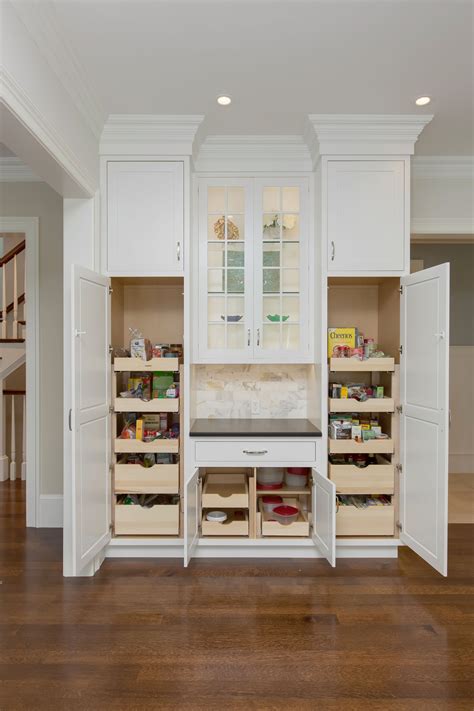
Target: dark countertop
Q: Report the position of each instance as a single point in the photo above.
(254, 428)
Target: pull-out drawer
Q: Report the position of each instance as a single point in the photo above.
(375, 479)
(221, 491)
(155, 521)
(371, 521)
(237, 524)
(270, 527)
(135, 479)
(255, 452)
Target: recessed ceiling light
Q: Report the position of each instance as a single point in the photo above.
(224, 100)
(422, 100)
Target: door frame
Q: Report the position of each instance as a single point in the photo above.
(30, 227)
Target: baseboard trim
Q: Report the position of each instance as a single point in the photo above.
(50, 511)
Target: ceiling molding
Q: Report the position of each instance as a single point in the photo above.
(41, 22)
(363, 134)
(18, 102)
(442, 225)
(150, 134)
(255, 153)
(443, 167)
(13, 170)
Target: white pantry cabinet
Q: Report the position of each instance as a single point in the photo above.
(253, 263)
(367, 216)
(144, 218)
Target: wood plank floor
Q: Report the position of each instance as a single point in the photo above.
(287, 634)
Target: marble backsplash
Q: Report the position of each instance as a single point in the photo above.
(229, 390)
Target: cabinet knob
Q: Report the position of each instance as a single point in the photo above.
(333, 250)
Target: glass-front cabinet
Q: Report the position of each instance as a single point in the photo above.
(253, 270)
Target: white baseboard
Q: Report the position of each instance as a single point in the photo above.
(50, 511)
(461, 463)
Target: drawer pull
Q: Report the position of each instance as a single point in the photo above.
(255, 451)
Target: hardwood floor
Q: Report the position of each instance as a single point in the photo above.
(288, 634)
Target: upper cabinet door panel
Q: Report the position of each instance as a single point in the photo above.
(144, 218)
(367, 221)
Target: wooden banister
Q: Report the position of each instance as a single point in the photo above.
(14, 392)
(12, 253)
(21, 300)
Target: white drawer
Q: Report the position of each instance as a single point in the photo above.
(255, 452)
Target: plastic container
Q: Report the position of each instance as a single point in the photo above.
(285, 514)
(296, 476)
(216, 516)
(269, 487)
(270, 475)
(269, 503)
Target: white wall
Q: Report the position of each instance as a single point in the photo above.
(39, 200)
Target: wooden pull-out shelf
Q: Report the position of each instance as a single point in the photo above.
(350, 446)
(137, 365)
(374, 479)
(136, 446)
(231, 527)
(371, 521)
(352, 365)
(134, 404)
(373, 404)
(133, 520)
(222, 491)
(299, 528)
(135, 479)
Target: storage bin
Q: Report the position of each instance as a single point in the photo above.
(232, 527)
(376, 478)
(162, 520)
(222, 491)
(371, 521)
(135, 479)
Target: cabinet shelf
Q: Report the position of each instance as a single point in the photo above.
(374, 479)
(136, 446)
(135, 479)
(223, 491)
(285, 491)
(352, 365)
(133, 404)
(137, 365)
(380, 404)
(270, 527)
(350, 446)
(371, 521)
(231, 527)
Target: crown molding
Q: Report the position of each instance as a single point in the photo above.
(363, 134)
(149, 134)
(253, 153)
(443, 167)
(18, 102)
(41, 22)
(13, 170)
(442, 225)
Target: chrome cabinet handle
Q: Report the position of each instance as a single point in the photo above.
(256, 451)
(258, 336)
(178, 251)
(248, 336)
(333, 250)
(440, 335)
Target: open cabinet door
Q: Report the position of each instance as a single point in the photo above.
(324, 516)
(424, 424)
(192, 516)
(90, 483)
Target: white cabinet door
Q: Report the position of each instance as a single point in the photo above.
(282, 328)
(192, 515)
(424, 390)
(324, 516)
(145, 207)
(367, 217)
(225, 270)
(87, 494)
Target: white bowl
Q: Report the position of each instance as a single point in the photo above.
(216, 516)
(270, 475)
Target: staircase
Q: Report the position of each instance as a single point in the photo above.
(12, 354)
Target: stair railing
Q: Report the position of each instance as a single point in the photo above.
(17, 432)
(11, 257)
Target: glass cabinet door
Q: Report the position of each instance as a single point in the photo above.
(225, 268)
(281, 263)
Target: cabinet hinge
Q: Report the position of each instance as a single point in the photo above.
(399, 409)
(400, 289)
(111, 291)
(111, 410)
(399, 468)
(399, 526)
(400, 350)
(111, 350)
(111, 527)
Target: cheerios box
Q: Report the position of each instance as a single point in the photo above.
(342, 336)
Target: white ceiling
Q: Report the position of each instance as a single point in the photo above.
(280, 60)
